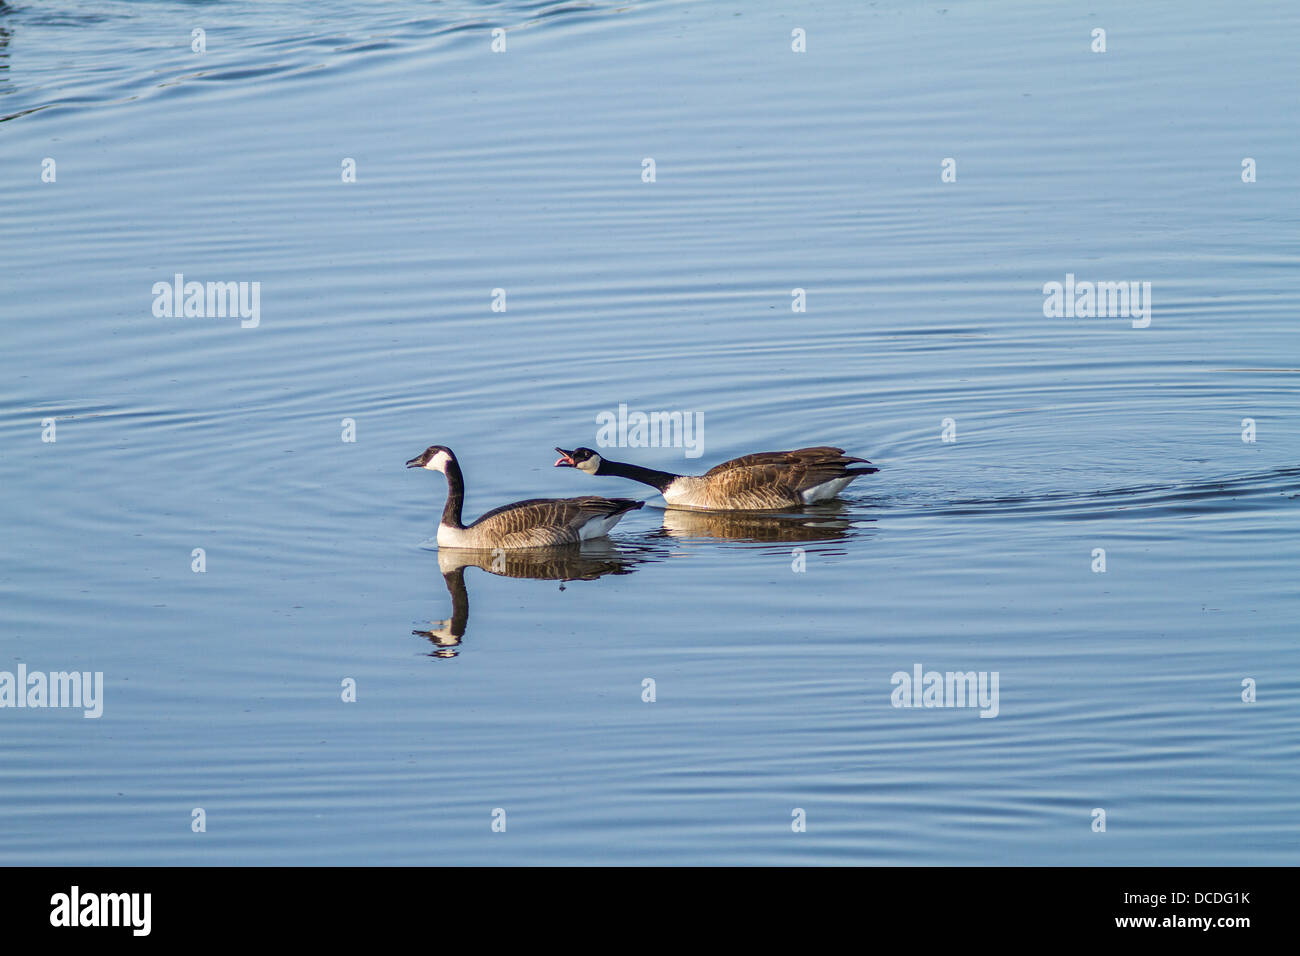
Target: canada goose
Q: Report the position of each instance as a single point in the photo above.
(761, 482)
(535, 523)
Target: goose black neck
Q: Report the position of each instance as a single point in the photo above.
(647, 476)
(455, 495)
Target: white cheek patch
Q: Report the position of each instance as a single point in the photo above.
(590, 465)
(438, 462)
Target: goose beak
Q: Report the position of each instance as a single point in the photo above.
(566, 461)
(415, 462)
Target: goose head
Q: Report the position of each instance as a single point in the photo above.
(434, 458)
(584, 459)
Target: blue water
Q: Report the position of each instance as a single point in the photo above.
(774, 170)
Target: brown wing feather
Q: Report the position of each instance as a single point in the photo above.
(820, 454)
(561, 515)
(778, 478)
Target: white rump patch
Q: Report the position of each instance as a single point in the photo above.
(827, 489)
(597, 527)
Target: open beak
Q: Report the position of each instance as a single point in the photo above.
(415, 462)
(566, 459)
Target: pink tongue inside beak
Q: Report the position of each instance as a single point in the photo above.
(566, 460)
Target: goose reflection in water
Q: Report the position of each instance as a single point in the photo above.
(823, 524)
(574, 562)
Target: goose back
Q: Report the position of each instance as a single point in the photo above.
(540, 523)
(769, 479)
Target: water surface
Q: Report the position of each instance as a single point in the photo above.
(522, 686)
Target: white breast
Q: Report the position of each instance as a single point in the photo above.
(449, 537)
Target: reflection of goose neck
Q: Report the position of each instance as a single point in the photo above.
(455, 581)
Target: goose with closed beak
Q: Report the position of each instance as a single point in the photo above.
(535, 523)
(765, 481)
